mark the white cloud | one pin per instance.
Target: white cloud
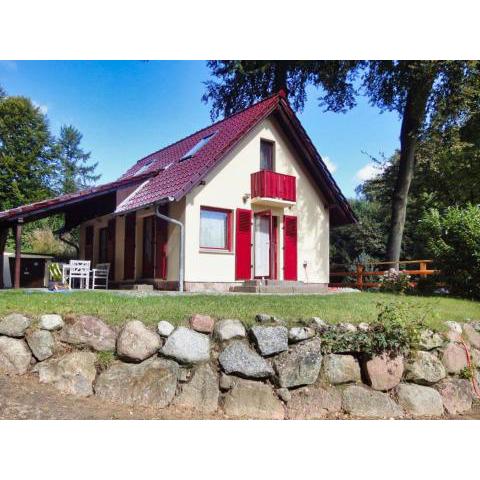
(330, 165)
(369, 171)
(43, 108)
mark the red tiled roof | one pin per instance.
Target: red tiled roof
(167, 176)
(180, 176)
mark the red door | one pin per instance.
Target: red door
(161, 237)
(148, 247)
(243, 245)
(129, 250)
(289, 247)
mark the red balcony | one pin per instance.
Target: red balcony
(276, 187)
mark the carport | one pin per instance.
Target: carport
(76, 207)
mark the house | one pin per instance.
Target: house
(245, 202)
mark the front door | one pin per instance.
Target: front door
(262, 246)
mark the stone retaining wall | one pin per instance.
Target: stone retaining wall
(267, 371)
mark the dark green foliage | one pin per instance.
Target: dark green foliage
(448, 169)
(429, 96)
(35, 166)
(244, 82)
(366, 238)
(452, 238)
(26, 153)
(75, 173)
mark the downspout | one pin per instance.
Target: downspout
(181, 267)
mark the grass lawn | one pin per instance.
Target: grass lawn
(116, 308)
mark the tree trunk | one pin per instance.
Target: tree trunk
(413, 117)
(280, 79)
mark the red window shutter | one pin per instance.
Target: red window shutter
(129, 251)
(161, 237)
(89, 243)
(243, 245)
(111, 246)
(289, 247)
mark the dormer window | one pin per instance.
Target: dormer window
(200, 144)
(267, 152)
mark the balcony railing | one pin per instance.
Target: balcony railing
(268, 184)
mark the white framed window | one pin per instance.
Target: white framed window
(215, 228)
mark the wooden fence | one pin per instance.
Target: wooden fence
(377, 269)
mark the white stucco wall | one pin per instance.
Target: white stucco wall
(228, 185)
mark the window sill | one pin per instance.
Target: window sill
(218, 251)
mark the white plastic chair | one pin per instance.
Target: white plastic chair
(79, 269)
(100, 276)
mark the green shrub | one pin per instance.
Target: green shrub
(452, 239)
(398, 328)
(396, 331)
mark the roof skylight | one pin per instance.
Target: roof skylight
(201, 143)
(143, 168)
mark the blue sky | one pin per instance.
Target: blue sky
(127, 109)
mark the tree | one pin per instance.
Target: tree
(427, 95)
(447, 165)
(75, 171)
(33, 166)
(26, 153)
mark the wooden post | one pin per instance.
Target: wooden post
(360, 269)
(423, 267)
(3, 242)
(18, 245)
